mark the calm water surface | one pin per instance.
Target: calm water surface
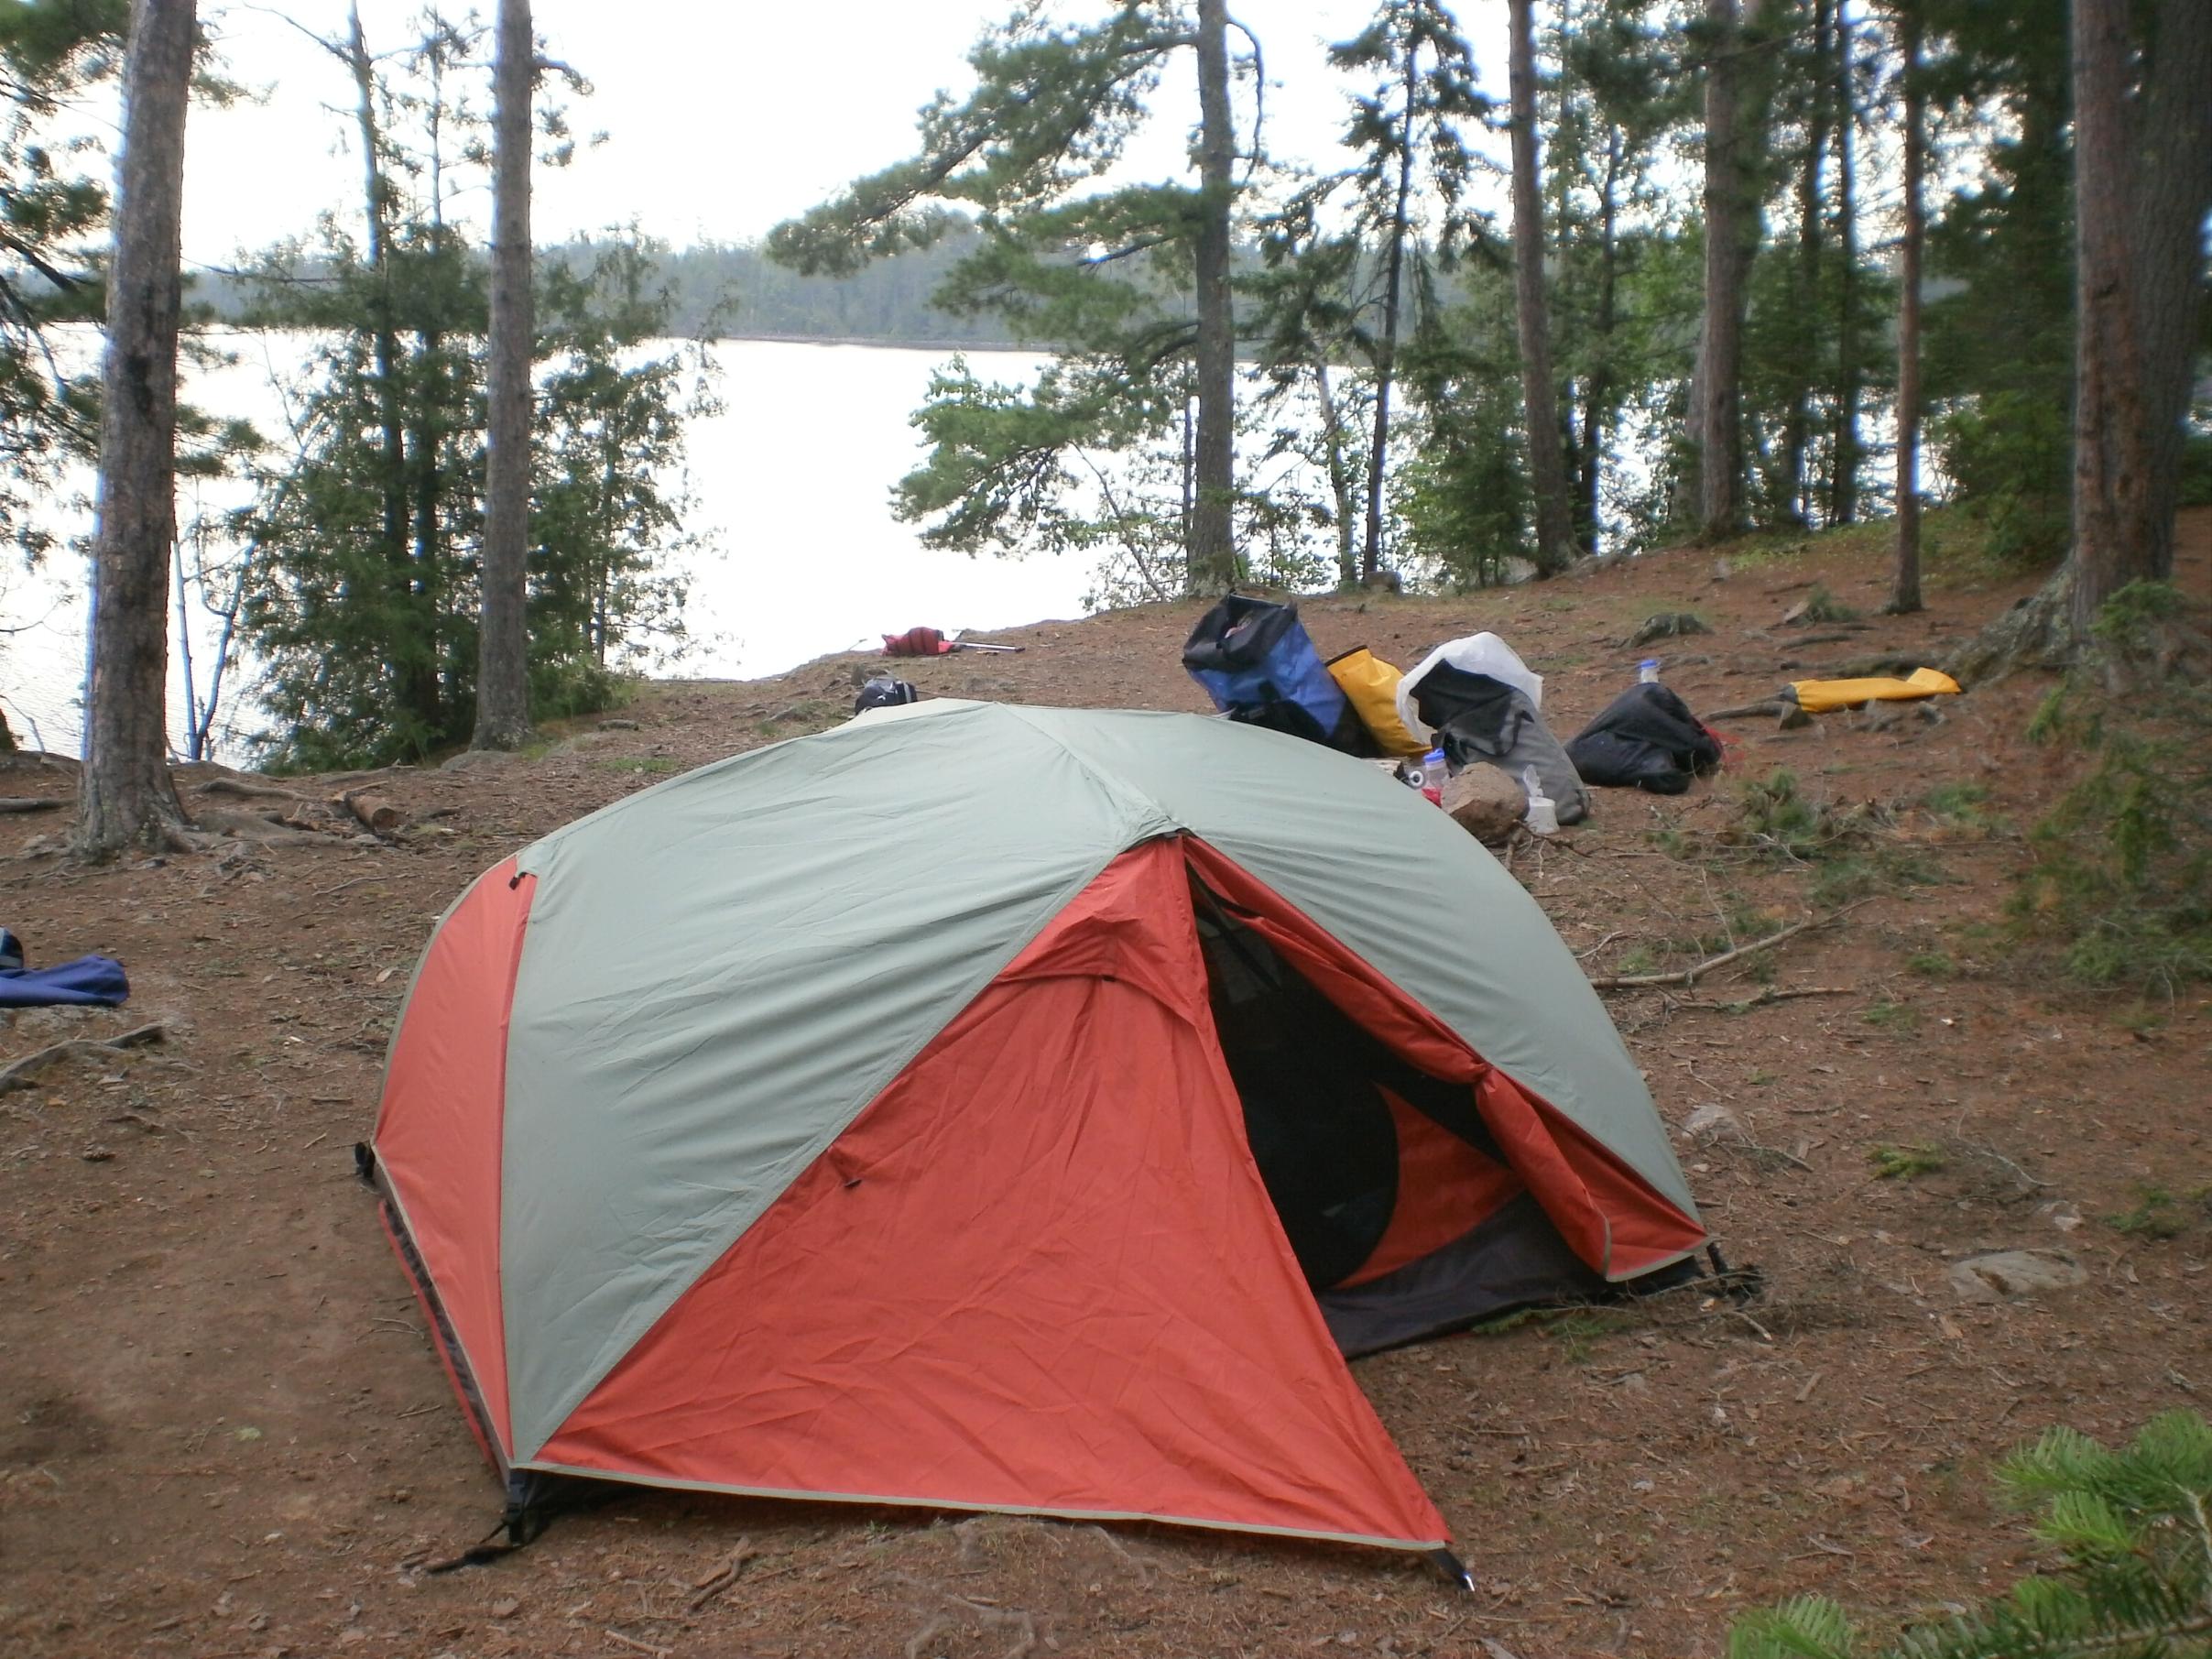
(793, 481)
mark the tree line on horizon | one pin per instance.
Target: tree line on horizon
(1699, 268)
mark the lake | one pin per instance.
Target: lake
(793, 481)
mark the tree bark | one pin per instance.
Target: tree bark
(126, 796)
(1597, 391)
(1812, 211)
(412, 654)
(1843, 461)
(503, 706)
(1904, 591)
(1212, 555)
(2142, 169)
(1731, 210)
(1547, 465)
(1385, 347)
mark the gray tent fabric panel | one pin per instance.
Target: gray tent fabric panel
(720, 974)
(1399, 883)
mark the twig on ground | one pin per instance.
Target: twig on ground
(18, 1076)
(1773, 994)
(1689, 976)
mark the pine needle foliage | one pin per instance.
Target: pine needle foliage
(2132, 1530)
(2121, 885)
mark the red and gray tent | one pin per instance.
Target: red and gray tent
(1008, 1109)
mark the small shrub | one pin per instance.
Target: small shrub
(1821, 605)
(2157, 1213)
(2153, 1216)
(1931, 965)
(2134, 1574)
(2121, 882)
(1887, 1015)
(1906, 1162)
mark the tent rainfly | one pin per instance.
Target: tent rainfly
(992, 1108)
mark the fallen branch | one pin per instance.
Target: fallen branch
(19, 1074)
(27, 803)
(1688, 976)
(1774, 994)
(247, 791)
(1744, 711)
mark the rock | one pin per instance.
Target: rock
(1712, 1121)
(1996, 1275)
(478, 760)
(1665, 625)
(1485, 804)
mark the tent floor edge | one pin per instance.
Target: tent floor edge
(617, 1482)
(443, 1341)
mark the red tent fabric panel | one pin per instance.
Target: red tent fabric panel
(1610, 1219)
(441, 1154)
(1445, 1189)
(1039, 1272)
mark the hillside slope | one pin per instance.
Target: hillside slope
(225, 1433)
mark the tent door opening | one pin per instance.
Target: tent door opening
(1363, 1155)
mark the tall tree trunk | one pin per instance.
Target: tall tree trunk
(1812, 213)
(1904, 591)
(1212, 556)
(2142, 170)
(1844, 447)
(1597, 391)
(414, 663)
(1547, 466)
(1386, 348)
(124, 795)
(503, 688)
(1731, 208)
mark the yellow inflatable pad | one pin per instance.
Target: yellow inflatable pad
(1821, 696)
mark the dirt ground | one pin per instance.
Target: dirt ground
(222, 1432)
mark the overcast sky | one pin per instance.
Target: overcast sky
(722, 118)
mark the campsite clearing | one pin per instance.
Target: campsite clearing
(223, 1431)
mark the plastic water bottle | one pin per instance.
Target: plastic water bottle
(1647, 672)
(1432, 774)
(1542, 817)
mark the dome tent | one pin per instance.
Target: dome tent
(984, 1106)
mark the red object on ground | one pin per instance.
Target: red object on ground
(915, 642)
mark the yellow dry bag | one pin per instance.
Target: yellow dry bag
(1371, 685)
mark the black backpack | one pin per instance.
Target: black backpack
(883, 692)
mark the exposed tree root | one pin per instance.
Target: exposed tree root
(2037, 633)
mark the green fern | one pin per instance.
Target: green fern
(2135, 1529)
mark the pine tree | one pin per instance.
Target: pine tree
(126, 796)
(2131, 1527)
(51, 212)
(1904, 592)
(503, 705)
(1051, 111)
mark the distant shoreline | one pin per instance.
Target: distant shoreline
(873, 342)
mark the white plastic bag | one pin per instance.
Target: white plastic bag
(1476, 654)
